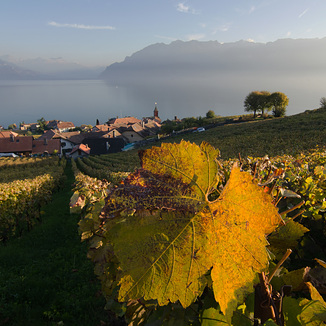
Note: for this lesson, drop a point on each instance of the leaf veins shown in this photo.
(169, 238)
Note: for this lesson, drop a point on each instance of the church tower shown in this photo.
(155, 111)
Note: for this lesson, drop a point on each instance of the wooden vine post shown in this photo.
(268, 303)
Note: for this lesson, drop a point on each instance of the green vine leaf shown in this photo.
(171, 241)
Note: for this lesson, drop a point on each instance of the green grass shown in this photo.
(45, 277)
(288, 135)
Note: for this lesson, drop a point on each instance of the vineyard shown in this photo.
(205, 231)
(25, 185)
(150, 248)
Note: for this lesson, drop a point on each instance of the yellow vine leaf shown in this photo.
(171, 241)
(321, 262)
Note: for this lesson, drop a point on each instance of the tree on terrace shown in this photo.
(279, 103)
(257, 101)
(210, 114)
(264, 102)
(251, 103)
(323, 103)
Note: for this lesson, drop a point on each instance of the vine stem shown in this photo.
(293, 208)
(286, 255)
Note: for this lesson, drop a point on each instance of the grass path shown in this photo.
(45, 277)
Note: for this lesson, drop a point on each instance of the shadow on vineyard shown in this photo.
(45, 276)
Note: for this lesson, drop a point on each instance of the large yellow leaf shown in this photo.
(170, 239)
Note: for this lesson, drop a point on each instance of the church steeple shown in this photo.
(155, 111)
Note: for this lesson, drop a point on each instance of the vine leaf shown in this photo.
(313, 311)
(286, 236)
(171, 241)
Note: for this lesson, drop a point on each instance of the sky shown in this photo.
(101, 32)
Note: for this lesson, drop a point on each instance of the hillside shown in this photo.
(288, 135)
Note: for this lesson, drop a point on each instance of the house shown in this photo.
(80, 150)
(29, 126)
(101, 128)
(8, 133)
(66, 139)
(114, 133)
(152, 126)
(46, 146)
(133, 129)
(133, 133)
(16, 144)
(118, 122)
(155, 117)
(28, 145)
(101, 146)
(60, 126)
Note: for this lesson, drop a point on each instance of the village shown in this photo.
(59, 137)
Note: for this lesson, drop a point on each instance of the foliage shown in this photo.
(12, 126)
(252, 103)
(151, 231)
(285, 177)
(261, 101)
(21, 200)
(279, 102)
(186, 239)
(210, 114)
(46, 278)
(41, 125)
(323, 103)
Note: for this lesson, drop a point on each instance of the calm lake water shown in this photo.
(84, 101)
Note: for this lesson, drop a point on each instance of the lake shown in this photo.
(84, 101)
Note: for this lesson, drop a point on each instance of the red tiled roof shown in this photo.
(121, 121)
(81, 147)
(46, 145)
(64, 125)
(48, 134)
(101, 128)
(16, 144)
(57, 124)
(7, 133)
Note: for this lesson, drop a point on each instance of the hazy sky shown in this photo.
(100, 32)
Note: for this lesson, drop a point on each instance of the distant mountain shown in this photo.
(39, 68)
(196, 61)
(9, 71)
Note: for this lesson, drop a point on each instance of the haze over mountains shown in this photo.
(38, 68)
(201, 60)
(179, 61)
(223, 74)
(190, 78)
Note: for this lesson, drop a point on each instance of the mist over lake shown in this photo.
(84, 101)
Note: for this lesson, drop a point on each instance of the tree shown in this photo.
(279, 103)
(251, 103)
(323, 103)
(264, 102)
(257, 101)
(41, 124)
(210, 114)
(12, 126)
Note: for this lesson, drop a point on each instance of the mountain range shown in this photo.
(198, 61)
(192, 61)
(39, 68)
